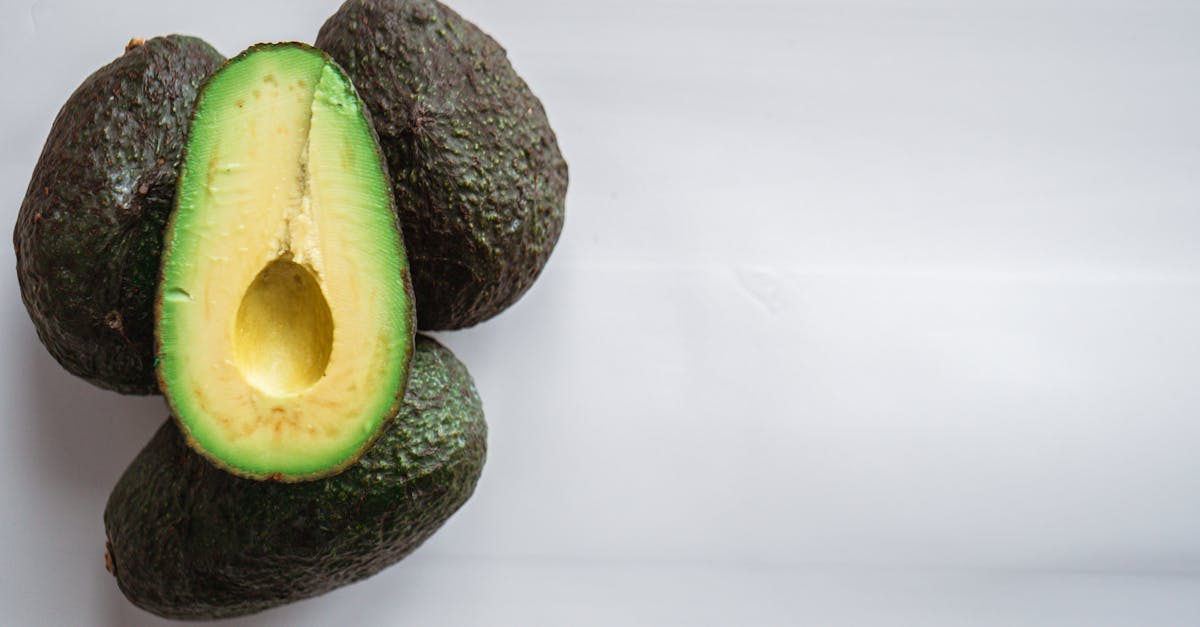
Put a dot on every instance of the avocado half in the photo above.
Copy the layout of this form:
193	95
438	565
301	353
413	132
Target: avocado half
89	232
285	313
479	180
187	540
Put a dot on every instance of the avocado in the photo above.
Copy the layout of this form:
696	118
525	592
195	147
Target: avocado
479	179
188	540
285	311
89	231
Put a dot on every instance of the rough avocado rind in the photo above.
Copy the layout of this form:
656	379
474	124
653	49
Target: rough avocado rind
187	540
88	235
479	180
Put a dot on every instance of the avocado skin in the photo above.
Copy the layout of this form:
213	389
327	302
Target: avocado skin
187	540
89	232
479	180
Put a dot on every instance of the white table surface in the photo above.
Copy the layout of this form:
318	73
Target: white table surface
865	313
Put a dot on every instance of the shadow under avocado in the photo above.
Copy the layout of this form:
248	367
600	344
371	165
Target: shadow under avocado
85	436
82	439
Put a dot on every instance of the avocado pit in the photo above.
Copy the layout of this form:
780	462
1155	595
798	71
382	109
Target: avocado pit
284	330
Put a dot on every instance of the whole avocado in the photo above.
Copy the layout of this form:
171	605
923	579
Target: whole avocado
187	540
89	232
479	180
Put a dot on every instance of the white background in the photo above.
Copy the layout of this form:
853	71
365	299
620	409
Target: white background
865	313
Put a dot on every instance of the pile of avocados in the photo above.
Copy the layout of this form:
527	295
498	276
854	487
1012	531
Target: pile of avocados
259	240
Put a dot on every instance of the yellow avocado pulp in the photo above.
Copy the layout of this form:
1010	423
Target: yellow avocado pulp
285	320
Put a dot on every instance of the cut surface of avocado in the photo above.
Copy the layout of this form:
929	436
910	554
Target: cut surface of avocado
285	319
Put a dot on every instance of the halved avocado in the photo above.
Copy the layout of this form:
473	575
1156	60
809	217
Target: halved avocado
285	311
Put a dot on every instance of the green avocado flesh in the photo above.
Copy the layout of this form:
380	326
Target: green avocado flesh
89	233
187	540
285	315
480	182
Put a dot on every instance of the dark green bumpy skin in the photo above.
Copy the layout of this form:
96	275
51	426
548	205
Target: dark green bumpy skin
89	233
479	180
186	540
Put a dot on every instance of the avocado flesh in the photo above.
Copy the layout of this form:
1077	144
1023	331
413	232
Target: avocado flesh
187	540
479	180
89	233
285	314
